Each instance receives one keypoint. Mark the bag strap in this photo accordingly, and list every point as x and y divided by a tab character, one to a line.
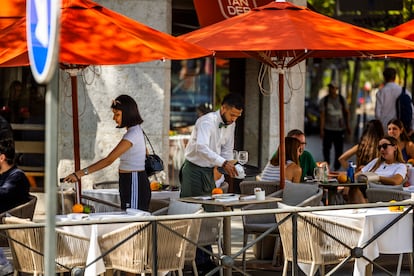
149	142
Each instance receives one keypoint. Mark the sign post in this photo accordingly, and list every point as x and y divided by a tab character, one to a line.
42	28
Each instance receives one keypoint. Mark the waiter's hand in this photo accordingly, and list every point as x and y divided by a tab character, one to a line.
229	168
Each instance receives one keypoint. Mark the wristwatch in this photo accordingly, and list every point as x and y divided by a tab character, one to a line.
85	171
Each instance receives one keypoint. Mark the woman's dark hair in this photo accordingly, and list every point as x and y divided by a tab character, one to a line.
291	151
403	136
7	148
130	112
368	143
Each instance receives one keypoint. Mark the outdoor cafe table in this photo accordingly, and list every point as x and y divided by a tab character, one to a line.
396	240
93	231
227	206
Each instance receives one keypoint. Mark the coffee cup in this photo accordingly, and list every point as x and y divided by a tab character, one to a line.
260	195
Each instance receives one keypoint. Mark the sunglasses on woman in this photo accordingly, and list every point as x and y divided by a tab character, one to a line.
384	146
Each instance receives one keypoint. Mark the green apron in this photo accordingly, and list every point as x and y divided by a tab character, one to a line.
196	180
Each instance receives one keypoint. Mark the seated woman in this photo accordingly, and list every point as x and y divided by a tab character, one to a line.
293	171
365	151
389	166
396	129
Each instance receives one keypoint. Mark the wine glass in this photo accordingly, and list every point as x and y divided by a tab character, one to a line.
243	157
235	155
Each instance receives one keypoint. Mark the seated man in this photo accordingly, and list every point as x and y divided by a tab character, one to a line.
14	189
14	185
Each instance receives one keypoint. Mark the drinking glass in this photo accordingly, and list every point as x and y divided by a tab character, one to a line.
318	173
243	157
235	155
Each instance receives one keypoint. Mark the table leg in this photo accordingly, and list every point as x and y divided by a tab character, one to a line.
332	195
227	240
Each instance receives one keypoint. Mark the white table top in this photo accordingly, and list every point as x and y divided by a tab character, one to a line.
396	240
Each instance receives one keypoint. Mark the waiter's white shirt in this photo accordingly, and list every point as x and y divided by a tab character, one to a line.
209	145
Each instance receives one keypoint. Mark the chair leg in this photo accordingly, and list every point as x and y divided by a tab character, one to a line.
285	267
277	252
322	268
400	258
245	236
313	269
194	265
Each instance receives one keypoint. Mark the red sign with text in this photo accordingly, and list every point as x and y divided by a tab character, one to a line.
212	11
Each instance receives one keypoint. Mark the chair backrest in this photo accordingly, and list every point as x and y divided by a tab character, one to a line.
27	243
25	211
130	256
247	187
295	194
171	246
314	245
385	195
177	208
24	259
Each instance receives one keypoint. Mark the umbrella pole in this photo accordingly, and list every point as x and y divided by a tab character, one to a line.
281	128
75	121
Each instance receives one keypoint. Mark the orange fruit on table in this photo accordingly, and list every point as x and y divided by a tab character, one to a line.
155	186
342	178
411	161
77	208
217	191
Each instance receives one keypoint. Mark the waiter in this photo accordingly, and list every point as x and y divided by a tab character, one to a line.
211	145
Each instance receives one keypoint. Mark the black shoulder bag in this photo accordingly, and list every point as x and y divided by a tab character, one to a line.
153	163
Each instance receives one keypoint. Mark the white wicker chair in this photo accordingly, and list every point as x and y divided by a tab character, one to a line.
171	248
315	247
132	255
71	250
187	208
258	224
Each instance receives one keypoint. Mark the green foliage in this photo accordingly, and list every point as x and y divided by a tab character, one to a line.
326	7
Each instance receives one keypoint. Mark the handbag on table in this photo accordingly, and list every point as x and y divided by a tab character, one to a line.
153	163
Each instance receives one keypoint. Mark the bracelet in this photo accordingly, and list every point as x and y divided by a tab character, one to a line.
77	177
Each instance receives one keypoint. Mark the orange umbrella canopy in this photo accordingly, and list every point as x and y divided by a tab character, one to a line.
94	35
405	31
281	35
280	30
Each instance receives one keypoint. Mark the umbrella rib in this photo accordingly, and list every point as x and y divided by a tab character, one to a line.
299	58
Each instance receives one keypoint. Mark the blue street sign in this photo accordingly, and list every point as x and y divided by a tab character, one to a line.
42	28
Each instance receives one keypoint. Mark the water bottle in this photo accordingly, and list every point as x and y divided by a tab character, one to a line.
350	172
325	173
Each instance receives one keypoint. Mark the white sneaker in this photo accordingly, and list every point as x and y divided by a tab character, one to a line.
6	269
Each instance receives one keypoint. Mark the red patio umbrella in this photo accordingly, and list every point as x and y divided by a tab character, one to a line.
405	31
281	35
91	34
